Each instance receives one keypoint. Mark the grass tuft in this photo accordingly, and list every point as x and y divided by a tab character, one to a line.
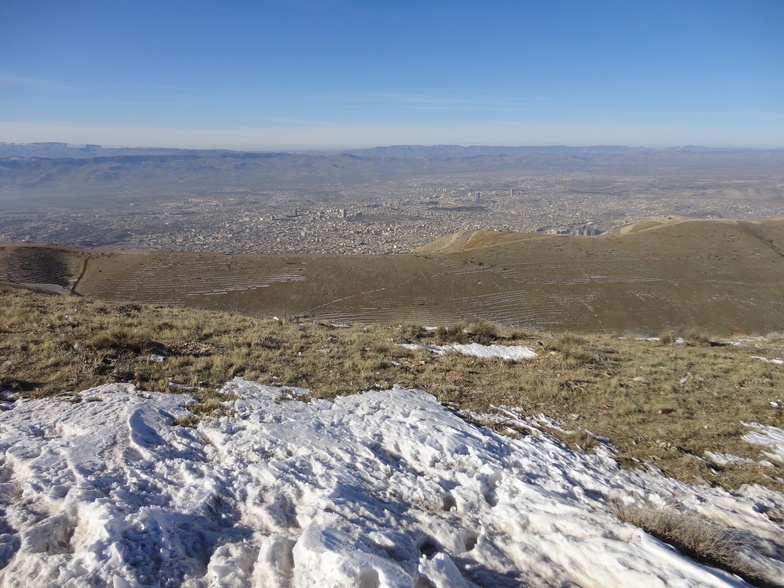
454	333
123	339
704	541
483	332
574	350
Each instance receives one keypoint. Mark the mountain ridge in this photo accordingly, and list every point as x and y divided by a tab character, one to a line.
115	176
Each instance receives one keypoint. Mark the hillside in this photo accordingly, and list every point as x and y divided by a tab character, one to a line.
721	276
53	268
561	464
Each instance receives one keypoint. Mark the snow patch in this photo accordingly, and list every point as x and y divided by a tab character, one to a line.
766	360
385	488
772	437
507	352
724	459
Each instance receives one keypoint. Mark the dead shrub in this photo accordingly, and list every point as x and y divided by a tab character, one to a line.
122	339
574	349
210	405
696	337
567	340
193	348
454	333
410	333
483	332
697	538
582	440
522	335
382	348
189	420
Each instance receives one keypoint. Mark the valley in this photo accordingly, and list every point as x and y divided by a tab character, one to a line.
375	201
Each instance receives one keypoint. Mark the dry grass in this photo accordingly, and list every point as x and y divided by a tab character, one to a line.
120	339
702	540
454	333
484	332
610	386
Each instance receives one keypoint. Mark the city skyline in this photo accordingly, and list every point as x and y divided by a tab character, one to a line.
297	75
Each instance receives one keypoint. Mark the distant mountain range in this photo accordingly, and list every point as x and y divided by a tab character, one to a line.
40	174
56	150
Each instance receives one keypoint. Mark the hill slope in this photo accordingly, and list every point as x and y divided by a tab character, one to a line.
43	267
719	275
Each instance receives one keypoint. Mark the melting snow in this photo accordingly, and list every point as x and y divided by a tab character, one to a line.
772	437
766	360
508	352
384	488
724	459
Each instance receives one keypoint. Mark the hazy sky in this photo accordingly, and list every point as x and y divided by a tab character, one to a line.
300	74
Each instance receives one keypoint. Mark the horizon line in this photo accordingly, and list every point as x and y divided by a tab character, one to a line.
687	146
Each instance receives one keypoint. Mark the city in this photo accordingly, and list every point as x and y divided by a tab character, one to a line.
385	216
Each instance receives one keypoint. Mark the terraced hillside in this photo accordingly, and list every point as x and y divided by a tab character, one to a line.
42	266
722	276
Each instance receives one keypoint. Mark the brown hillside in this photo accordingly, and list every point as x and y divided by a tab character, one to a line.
467	240
721	276
46	267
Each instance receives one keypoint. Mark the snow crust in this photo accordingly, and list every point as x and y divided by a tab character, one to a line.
724	459
766	360
772	437
385	488
507	352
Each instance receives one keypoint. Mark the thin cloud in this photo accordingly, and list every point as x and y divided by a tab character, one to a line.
164	88
403	98
114	103
760	115
299	121
53	85
38	83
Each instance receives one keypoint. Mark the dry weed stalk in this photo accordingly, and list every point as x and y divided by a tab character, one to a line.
702	540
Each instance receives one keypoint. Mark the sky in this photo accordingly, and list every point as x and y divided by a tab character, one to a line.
335	74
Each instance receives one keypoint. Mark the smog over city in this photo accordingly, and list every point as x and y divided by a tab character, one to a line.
371	201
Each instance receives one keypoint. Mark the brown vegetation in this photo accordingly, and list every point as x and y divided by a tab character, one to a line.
658	402
702	540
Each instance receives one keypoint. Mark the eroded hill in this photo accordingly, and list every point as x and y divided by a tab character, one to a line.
53	268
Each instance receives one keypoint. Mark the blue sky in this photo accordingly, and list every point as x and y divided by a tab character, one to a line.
323	74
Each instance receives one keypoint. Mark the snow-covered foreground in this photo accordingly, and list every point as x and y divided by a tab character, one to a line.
380	489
